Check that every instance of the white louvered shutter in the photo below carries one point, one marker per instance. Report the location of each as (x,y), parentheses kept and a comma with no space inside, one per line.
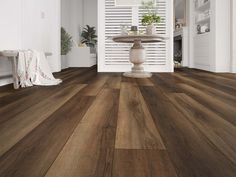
(114,57)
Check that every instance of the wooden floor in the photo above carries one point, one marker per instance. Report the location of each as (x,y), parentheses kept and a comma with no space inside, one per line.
(180,124)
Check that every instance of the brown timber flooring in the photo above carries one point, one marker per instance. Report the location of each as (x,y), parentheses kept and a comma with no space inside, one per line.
(180,124)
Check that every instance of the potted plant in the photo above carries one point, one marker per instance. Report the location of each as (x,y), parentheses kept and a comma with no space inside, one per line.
(66,46)
(89,37)
(151,18)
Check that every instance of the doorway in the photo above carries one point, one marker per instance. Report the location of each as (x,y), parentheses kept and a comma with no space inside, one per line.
(75,16)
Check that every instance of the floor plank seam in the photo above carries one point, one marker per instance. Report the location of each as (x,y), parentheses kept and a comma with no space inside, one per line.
(65,144)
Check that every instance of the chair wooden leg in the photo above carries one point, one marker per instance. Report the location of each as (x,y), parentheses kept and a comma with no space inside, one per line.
(14,72)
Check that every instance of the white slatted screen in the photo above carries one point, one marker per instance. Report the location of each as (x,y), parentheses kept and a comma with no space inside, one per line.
(114,57)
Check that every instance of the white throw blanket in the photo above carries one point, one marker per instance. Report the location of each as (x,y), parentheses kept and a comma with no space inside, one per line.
(33,69)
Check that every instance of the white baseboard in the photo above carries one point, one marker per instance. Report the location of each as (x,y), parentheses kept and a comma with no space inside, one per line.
(6,81)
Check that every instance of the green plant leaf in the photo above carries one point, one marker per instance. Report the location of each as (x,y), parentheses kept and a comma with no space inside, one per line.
(89,36)
(66,42)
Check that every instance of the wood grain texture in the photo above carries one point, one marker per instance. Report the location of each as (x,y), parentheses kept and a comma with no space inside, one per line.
(129,80)
(178,124)
(113,82)
(190,151)
(21,104)
(40,148)
(144,82)
(167,83)
(135,128)
(217,79)
(6,90)
(219,131)
(224,96)
(214,83)
(89,151)
(228,75)
(15,96)
(225,110)
(142,163)
(15,129)
(95,86)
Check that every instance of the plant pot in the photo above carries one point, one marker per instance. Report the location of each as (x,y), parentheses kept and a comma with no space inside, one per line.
(151,29)
(64,63)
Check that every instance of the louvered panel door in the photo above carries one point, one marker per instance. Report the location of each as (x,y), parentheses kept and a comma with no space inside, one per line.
(114,57)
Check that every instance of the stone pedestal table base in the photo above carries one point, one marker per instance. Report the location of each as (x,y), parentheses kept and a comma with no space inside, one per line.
(137,57)
(137,52)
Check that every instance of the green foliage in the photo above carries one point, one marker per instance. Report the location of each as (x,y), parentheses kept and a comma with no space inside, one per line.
(89,36)
(151,17)
(66,42)
(148,5)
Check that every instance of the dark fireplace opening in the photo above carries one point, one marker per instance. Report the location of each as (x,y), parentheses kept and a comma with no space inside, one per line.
(178,51)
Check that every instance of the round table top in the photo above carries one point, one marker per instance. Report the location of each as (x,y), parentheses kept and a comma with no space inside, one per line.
(143,38)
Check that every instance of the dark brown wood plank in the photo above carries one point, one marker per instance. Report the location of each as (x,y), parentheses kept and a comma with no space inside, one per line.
(135,128)
(67,72)
(95,86)
(217,78)
(228,75)
(24,92)
(192,154)
(225,110)
(224,96)
(129,80)
(21,104)
(144,82)
(192,111)
(18,94)
(16,104)
(219,131)
(113,82)
(35,153)
(167,83)
(16,128)
(214,83)
(6,90)
(89,151)
(215,100)
(142,163)
(79,76)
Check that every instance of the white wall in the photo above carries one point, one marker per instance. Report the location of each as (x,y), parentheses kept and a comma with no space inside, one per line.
(233,33)
(72,20)
(65,14)
(221,29)
(41,28)
(9,33)
(76,14)
(66,24)
(30,24)
(90,12)
(76,19)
